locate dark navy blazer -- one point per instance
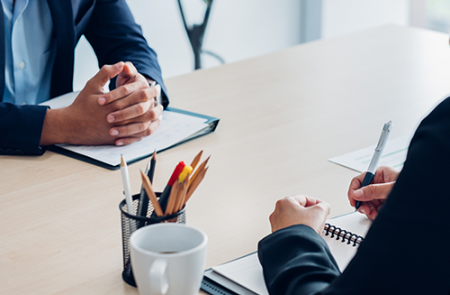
(111, 30)
(406, 250)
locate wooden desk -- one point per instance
(282, 116)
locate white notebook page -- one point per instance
(247, 271)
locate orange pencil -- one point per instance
(172, 198)
(200, 168)
(196, 160)
(195, 184)
(151, 194)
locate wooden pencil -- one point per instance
(172, 198)
(182, 195)
(195, 184)
(199, 169)
(196, 160)
(151, 194)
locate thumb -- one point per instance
(373, 192)
(106, 73)
(129, 71)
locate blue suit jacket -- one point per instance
(111, 30)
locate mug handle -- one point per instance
(158, 281)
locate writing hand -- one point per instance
(299, 209)
(373, 196)
(136, 115)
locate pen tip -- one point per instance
(122, 161)
(154, 155)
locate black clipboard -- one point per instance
(211, 122)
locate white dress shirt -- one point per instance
(29, 51)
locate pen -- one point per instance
(376, 157)
(126, 185)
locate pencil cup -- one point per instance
(130, 224)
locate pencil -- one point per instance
(143, 198)
(172, 198)
(151, 194)
(195, 184)
(182, 195)
(199, 169)
(196, 159)
(164, 198)
(151, 171)
(126, 185)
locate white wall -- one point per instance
(237, 30)
(342, 17)
(240, 29)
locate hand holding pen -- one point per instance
(374, 195)
(376, 157)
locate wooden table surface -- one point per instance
(282, 115)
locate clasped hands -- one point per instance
(301, 209)
(120, 117)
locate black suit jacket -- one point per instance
(407, 249)
(111, 30)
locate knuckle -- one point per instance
(147, 132)
(140, 108)
(104, 69)
(119, 116)
(141, 126)
(126, 89)
(151, 116)
(145, 95)
(371, 190)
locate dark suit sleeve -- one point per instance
(406, 251)
(115, 37)
(21, 128)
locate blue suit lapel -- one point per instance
(62, 76)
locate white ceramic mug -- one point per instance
(168, 259)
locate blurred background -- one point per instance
(242, 29)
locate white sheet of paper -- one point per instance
(246, 271)
(356, 223)
(174, 128)
(394, 155)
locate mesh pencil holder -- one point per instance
(130, 224)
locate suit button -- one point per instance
(19, 152)
(2, 151)
(9, 152)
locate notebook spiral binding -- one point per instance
(342, 234)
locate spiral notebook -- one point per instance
(244, 275)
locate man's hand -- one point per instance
(136, 114)
(373, 196)
(84, 121)
(299, 209)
